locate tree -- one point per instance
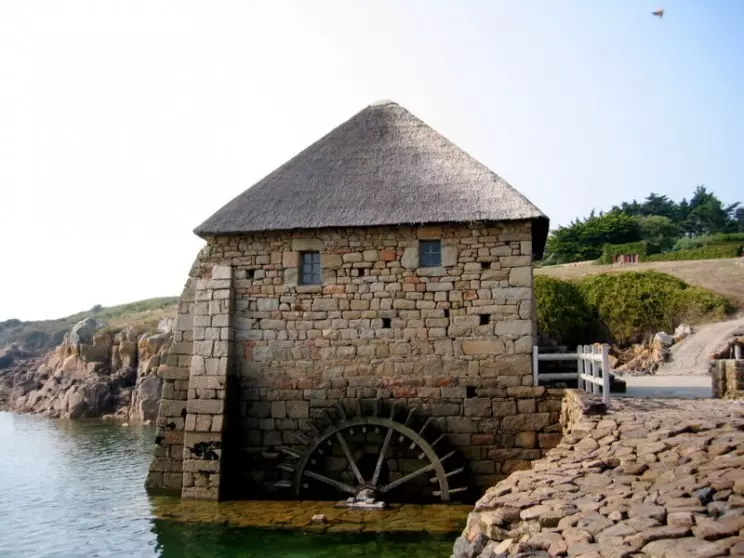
(659, 230)
(584, 239)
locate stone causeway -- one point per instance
(659, 478)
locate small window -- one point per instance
(485, 319)
(430, 253)
(310, 268)
(386, 323)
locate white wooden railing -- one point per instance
(592, 369)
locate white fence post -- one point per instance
(595, 371)
(606, 375)
(579, 369)
(535, 365)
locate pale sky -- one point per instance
(125, 124)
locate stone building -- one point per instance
(362, 318)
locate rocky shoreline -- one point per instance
(92, 373)
(662, 478)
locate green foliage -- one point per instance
(659, 231)
(635, 305)
(562, 312)
(704, 240)
(658, 220)
(45, 334)
(620, 307)
(584, 239)
(709, 252)
(611, 250)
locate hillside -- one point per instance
(724, 276)
(44, 335)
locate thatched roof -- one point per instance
(384, 166)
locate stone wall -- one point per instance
(453, 341)
(727, 376)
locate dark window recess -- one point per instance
(386, 323)
(469, 391)
(310, 268)
(430, 253)
(446, 313)
(250, 273)
(485, 319)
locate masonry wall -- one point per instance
(727, 376)
(457, 344)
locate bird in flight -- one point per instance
(658, 13)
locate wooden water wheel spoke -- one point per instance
(408, 477)
(347, 452)
(322, 478)
(381, 457)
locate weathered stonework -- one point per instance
(453, 341)
(728, 378)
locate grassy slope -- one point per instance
(724, 276)
(46, 334)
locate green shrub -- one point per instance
(635, 305)
(690, 243)
(708, 252)
(562, 313)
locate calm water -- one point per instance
(75, 489)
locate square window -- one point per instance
(430, 253)
(310, 268)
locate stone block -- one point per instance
(352, 257)
(410, 258)
(513, 327)
(461, 424)
(267, 304)
(325, 305)
(331, 261)
(483, 347)
(504, 408)
(439, 287)
(298, 409)
(526, 439)
(449, 255)
(222, 272)
(278, 409)
(307, 245)
(388, 255)
(290, 259)
(477, 407)
(521, 422)
(205, 406)
(520, 276)
(290, 276)
(370, 255)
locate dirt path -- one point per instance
(690, 357)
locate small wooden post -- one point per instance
(579, 368)
(737, 352)
(535, 364)
(606, 375)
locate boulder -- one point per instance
(662, 339)
(146, 398)
(82, 332)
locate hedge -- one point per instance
(709, 252)
(621, 307)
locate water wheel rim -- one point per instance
(434, 460)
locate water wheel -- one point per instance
(374, 454)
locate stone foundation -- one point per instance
(452, 341)
(728, 378)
